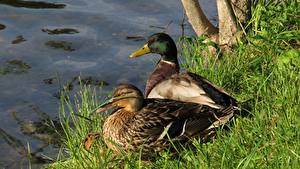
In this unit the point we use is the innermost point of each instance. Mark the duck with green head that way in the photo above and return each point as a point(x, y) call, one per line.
point(167, 82)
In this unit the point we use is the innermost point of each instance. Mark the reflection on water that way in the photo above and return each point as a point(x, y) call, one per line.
point(47, 131)
point(44, 128)
point(2, 26)
point(18, 39)
point(76, 81)
point(136, 38)
point(60, 31)
point(14, 67)
point(31, 4)
point(44, 51)
point(91, 81)
point(14, 143)
point(64, 45)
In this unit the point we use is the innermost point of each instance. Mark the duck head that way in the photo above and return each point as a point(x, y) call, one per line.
point(126, 97)
point(159, 43)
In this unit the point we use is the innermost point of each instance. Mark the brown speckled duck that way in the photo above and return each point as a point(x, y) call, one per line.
point(149, 123)
point(166, 81)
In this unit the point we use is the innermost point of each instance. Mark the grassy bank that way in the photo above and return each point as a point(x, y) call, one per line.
point(262, 72)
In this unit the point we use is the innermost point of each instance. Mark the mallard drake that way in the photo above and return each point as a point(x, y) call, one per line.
point(149, 123)
point(166, 81)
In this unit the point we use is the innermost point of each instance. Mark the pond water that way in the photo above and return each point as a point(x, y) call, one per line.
point(47, 44)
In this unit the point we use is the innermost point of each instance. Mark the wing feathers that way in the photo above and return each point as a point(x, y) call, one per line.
point(162, 117)
point(190, 87)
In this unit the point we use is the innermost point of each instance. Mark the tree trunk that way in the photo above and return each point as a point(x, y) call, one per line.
point(227, 24)
point(198, 20)
point(232, 13)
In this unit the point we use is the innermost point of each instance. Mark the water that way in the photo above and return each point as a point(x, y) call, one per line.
point(47, 44)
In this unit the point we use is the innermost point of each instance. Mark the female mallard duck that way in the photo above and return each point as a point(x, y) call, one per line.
point(166, 81)
point(150, 123)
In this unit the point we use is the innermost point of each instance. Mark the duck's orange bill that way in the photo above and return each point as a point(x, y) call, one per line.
point(106, 106)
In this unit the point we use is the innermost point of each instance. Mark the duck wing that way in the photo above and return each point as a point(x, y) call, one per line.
point(190, 87)
point(218, 95)
point(161, 119)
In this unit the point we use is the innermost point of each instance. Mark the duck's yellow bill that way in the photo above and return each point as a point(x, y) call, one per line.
point(142, 51)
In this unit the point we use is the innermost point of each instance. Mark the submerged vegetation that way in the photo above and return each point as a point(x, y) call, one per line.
point(262, 72)
point(14, 66)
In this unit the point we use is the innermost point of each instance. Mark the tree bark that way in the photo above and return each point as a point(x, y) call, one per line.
point(228, 27)
point(198, 20)
point(232, 13)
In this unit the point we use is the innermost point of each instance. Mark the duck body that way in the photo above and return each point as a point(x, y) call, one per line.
point(188, 87)
point(167, 82)
point(148, 124)
point(163, 71)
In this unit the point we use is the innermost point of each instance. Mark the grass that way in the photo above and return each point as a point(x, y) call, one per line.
point(262, 72)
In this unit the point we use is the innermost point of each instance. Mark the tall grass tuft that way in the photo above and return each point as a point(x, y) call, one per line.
point(78, 118)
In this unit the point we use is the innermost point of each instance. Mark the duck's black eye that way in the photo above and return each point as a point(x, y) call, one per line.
point(125, 93)
point(118, 94)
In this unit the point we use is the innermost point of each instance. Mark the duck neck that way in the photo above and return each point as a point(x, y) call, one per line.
point(163, 70)
point(173, 64)
point(170, 57)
